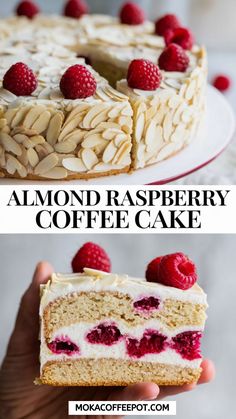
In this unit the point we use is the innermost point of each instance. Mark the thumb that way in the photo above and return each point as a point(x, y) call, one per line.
point(26, 331)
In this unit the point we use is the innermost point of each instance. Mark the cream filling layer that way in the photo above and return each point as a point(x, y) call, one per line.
point(91, 280)
point(77, 334)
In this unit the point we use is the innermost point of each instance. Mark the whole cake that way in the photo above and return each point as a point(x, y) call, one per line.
point(98, 95)
point(103, 329)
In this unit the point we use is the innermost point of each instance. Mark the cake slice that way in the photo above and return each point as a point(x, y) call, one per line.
point(103, 329)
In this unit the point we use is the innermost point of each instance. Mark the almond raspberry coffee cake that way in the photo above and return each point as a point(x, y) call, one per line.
point(103, 329)
point(86, 95)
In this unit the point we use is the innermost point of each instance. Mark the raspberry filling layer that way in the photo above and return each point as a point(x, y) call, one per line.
point(152, 342)
point(63, 345)
point(105, 334)
point(187, 344)
point(147, 304)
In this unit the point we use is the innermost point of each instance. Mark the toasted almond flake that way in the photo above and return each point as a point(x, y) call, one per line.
point(92, 141)
point(41, 124)
point(38, 139)
point(190, 90)
point(3, 123)
point(89, 158)
point(168, 126)
point(139, 127)
point(127, 111)
point(76, 111)
point(69, 127)
point(74, 164)
point(110, 133)
point(33, 115)
point(56, 173)
point(54, 128)
point(150, 133)
point(124, 149)
point(32, 157)
point(109, 152)
point(48, 163)
point(102, 117)
point(65, 146)
point(13, 165)
point(9, 115)
point(119, 139)
point(92, 114)
point(76, 136)
point(114, 94)
point(20, 138)
point(19, 116)
point(10, 144)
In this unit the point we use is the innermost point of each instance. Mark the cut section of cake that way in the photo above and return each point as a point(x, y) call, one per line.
point(103, 329)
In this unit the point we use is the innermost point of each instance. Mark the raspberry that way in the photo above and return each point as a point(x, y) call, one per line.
point(222, 82)
point(20, 80)
point(27, 8)
point(187, 344)
point(180, 36)
point(166, 22)
point(152, 342)
point(104, 334)
point(173, 58)
point(90, 255)
point(78, 82)
point(176, 270)
point(147, 304)
point(76, 8)
point(144, 75)
point(63, 345)
point(152, 269)
point(132, 14)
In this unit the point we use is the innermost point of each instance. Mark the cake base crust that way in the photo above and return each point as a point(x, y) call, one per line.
point(82, 176)
point(112, 372)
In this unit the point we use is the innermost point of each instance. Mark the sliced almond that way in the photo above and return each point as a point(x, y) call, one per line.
point(69, 127)
point(110, 133)
point(74, 164)
point(54, 128)
point(3, 123)
point(89, 158)
point(41, 124)
point(19, 116)
point(124, 149)
point(139, 127)
point(9, 115)
point(48, 163)
point(56, 173)
point(92, 141)
point(109, 152)
point(32, 116)
point(10, 144)
point(32, 157)
point(93, 112)
point(76, 136)
point(65, 146)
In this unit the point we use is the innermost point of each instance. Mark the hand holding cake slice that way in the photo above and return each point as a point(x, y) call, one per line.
point(104, 329)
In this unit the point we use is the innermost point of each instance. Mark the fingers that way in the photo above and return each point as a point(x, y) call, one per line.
point(25, 335)
point(142, 391)
point(207, 375)
point(208, 372)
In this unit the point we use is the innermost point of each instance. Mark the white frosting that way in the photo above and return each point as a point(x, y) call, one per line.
point(77, 334)
point(61, 285)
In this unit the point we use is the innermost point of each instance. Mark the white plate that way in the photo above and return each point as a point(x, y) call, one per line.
point(202, 150)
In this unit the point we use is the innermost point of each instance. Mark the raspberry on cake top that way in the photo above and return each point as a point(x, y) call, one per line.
point(81, 129)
